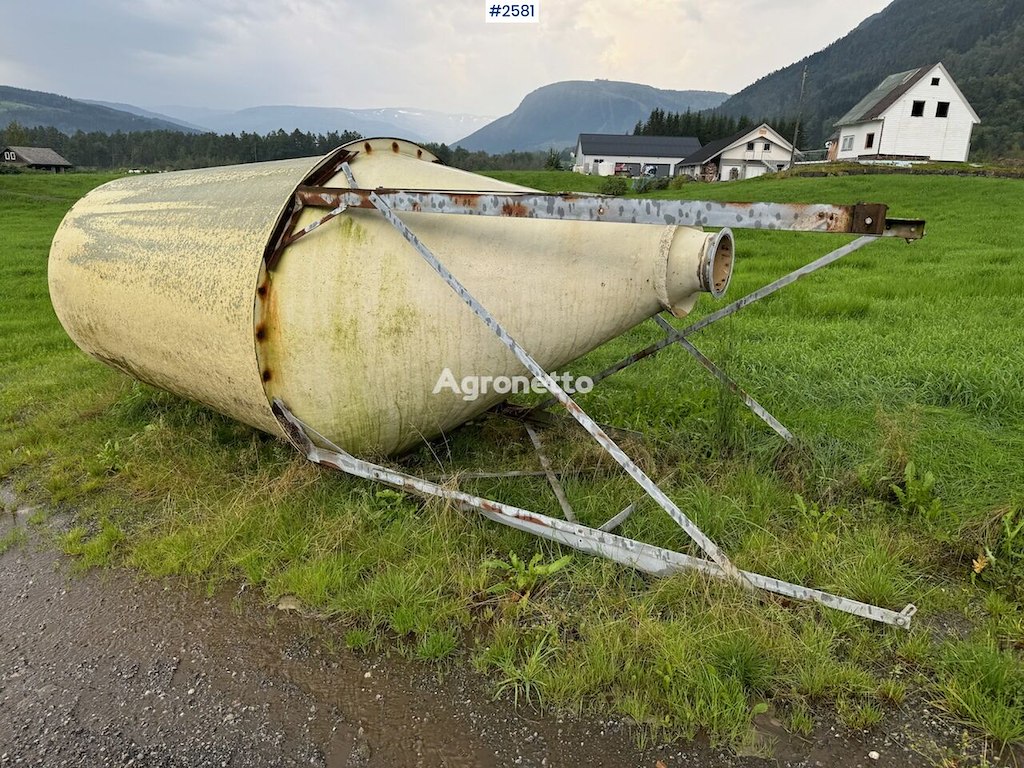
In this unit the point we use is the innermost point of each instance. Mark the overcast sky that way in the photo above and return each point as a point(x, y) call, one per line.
point(395, 53)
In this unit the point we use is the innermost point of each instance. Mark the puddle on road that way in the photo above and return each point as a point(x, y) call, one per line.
point(103, 663)
point(13, 514)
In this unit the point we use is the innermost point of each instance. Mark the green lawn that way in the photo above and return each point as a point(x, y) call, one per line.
point(901, 366)
point(550, 181)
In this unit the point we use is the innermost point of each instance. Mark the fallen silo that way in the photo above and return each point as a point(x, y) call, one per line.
point(164, 277)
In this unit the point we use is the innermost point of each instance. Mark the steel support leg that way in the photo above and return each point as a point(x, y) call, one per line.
point(677, 336)
point(755, 407)
point(645, 557)
point(630, 552)
point(553, 481)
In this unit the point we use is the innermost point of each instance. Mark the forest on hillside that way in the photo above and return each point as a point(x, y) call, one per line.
point(707, 126)
point(173, 150)
point(981, 43)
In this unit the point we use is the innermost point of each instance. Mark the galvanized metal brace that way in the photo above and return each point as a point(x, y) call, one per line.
point(759, 410)
point(679, 336)
point(650, 487)
point(630, 552)
point(866, 219)
point(860, 219)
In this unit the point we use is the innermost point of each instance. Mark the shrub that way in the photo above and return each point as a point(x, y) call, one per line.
point(615, 185)
point(649, 183)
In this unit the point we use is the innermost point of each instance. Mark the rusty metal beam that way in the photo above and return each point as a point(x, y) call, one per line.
point(313, 226)
point(863, 219)
point(286, 222)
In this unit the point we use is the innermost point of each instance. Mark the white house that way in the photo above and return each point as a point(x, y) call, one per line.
point(751, 152)
point(920, 114)
point(601, 154)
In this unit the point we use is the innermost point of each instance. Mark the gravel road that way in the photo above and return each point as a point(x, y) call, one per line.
point(105, 669)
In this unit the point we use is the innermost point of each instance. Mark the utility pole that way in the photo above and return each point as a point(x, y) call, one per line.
point(799, 115)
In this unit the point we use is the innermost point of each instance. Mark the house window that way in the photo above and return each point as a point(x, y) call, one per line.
point(10, 156)
point(869, 141)
point(935, 81)
point(942, 110)
point(847, 143)
point(767, 146)
point(734, 173)
point(918, 109)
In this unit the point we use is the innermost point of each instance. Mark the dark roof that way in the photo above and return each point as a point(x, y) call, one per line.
point(715, 148)
point(40, 156)
point(884, 96)
point(638, 146)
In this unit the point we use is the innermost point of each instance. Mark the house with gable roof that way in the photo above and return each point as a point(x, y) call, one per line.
point(916, 115)
point(600, 154)
point(750, 153)
point(39, 158)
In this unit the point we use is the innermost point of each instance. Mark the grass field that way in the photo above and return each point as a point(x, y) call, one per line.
point(900, 370)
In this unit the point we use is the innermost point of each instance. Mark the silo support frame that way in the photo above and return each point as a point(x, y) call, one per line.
point(651, 488)
point(647, 558)
point(679, 336)
point(630, 552)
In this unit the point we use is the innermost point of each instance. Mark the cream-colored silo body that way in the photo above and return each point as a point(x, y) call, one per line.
point(163, 277)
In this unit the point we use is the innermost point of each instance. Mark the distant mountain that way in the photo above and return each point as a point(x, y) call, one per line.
point(35, 108)
point(406, 123)
point(132, 109)
point(442, 127)
point(980, 42)
point(555, 115)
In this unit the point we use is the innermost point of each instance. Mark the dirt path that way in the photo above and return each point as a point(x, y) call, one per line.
point(102, 669)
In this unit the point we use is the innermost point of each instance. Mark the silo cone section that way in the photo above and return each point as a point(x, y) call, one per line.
point(163, 277)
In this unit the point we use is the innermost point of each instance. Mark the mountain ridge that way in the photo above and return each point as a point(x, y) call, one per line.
point(39, 108)
point(555, 114)
point(415, 124)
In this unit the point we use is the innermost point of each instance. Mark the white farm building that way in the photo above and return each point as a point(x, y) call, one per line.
point(917, 115)
point(601, 154)
point(751, 152)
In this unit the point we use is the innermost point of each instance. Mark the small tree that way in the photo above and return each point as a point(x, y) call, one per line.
point(15, 134)
point(553, 162)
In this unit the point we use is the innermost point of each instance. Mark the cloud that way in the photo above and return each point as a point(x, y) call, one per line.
point(236, 53)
